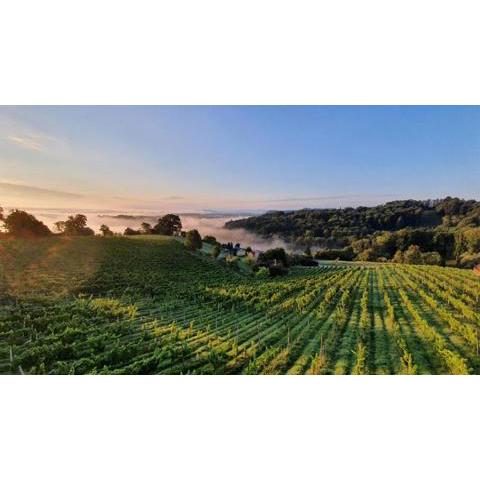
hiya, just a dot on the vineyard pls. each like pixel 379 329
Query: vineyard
pixel 147 306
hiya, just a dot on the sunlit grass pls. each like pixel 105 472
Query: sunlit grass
pixel 49 267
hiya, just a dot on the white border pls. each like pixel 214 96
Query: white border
pixel 239 427
pixel 257 52
pixel 249 52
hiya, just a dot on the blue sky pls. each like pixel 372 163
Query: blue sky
pixel 246 158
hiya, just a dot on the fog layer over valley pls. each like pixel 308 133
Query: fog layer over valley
pixel 207 223
pixel 215 227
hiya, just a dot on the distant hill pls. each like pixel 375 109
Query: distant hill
pixel 391 216
pixel 154 218
pixel 341 228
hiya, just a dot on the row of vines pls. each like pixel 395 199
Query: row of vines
pixel 147 306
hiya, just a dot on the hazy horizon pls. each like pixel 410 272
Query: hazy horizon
pixel 206 224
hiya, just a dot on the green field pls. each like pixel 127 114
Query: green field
pixel 146 305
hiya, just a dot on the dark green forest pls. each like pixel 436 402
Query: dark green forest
pixel 444 231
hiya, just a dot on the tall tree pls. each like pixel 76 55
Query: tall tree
pixel 74 225
pixel 193 240
pixel 169 224
pixel 22 224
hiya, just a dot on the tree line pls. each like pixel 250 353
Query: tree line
pixel 444 231
pixel 21 224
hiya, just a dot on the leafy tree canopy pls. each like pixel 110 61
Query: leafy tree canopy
pixel 22 224
pixel 74 225
pixel 193 240
pixel 274 255
pixel 169 224
pixel 450 227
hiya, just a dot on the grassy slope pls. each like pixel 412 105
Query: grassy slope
pixel 146 305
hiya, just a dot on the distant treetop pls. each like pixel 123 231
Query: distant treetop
pixel 74 225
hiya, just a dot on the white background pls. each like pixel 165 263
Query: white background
pixel 248 52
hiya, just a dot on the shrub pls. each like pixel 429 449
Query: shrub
pixel 250 261
pixel 367 255
pixel 274 254
pixel 232 261
pixel 131 231
pixel 413 255
pixel 210 239
pixel 398 257
pixel 469 260
pixel 106 232
pixel 277 270
pixel 432 258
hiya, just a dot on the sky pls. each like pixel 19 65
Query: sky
pixel 235 158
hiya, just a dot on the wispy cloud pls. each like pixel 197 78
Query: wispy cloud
pixel 25 136
pixel 27 141
pixel 21 190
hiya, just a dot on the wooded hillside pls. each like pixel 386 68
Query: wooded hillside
pixel 447 226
